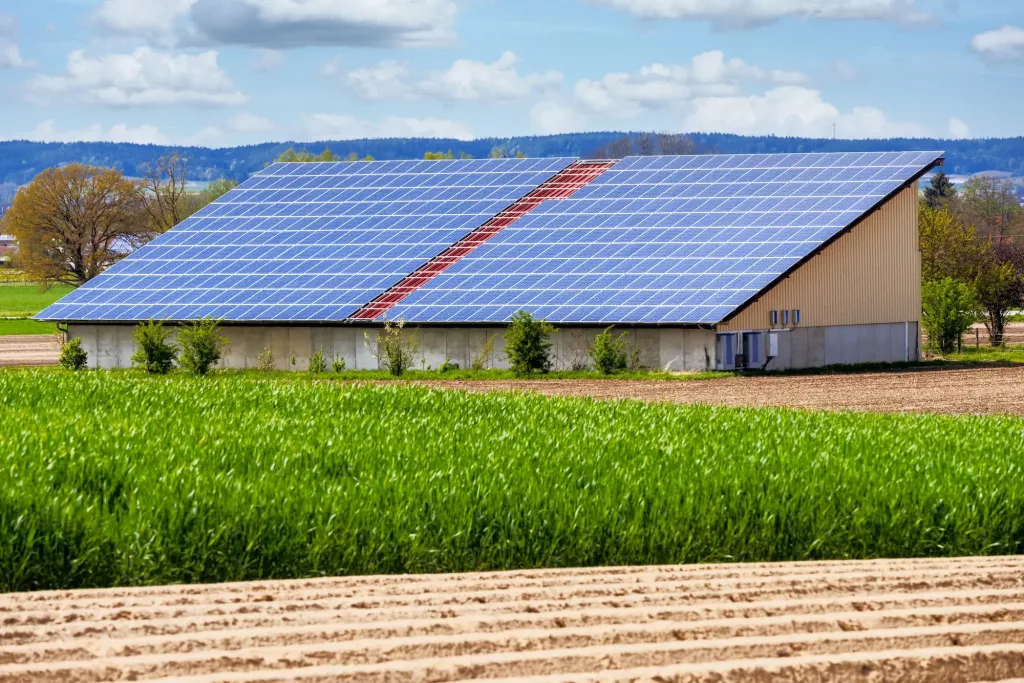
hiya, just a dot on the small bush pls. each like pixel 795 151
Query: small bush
pixel 338 364
pixel 317 364
pixel 527 344
pixel 486 355
pixel 395 348
pixel 609 353
pixel 265 360
pixel 155 354
pixel 73 356
pixel 448 366
pixel 950 308
pixel 201 344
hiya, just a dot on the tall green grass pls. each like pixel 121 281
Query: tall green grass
pixel 115 479
pixel 24 299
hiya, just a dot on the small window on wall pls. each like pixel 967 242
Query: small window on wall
pixel 773 318
pixel 785 317
pixel 796 316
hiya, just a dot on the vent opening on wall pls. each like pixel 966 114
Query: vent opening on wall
pixel 773 318
pixel 796 316
pixel 785 317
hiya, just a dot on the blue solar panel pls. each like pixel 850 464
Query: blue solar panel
pixel 306 241
pixel 664 239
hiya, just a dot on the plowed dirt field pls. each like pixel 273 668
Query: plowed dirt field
pixel 997 390
pixel 954 621
pixel 29 349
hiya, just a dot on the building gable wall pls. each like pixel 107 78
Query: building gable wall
pixel 870 275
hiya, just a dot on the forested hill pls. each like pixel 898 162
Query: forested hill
pixel 20 161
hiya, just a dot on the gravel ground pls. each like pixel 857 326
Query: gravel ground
pixel 914 621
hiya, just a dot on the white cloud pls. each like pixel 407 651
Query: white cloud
pixel 792 110
pixel 47 131
pixel 551 117
pixel 384 81
pixel 143 78
pixel 343 127
pixel 10 55
pixel 245 122
pixel 737 14
pixel 156 20
pixel 331 68
pixel 959 129
pixel 1002 44
pixel 284 23
pixel 266 60
pixel 498 81
pixel 660 86
pixel 843 71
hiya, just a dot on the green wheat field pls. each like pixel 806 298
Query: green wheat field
pixel 116 479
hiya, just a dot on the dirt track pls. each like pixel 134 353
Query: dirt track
pixel 989 390
pixel 954 621
pixel 29 349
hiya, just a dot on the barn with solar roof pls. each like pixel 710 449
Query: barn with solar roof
pixel 776 261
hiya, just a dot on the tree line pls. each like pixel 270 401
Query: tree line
pixel 972 258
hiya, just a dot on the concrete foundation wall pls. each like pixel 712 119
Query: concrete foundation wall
pixel 814 347
pixel 111 346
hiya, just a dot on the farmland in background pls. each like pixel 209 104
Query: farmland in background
pixel 20 300
pixel 117 479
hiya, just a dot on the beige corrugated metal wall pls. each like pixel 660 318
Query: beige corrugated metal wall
pixel 870 275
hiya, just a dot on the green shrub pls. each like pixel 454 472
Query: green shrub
pixel 265 360
pixel 338 364
pixel 448 366
pixel 527 344
pixel 201 344
pixel 73 356
pixel 395 348
pixel 608 352
pixel 950 308
pixel 317 364
pixel 486 355
pixel 155 354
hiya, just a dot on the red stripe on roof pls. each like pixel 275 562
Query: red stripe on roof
pixel 563 184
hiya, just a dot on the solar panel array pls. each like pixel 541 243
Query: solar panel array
pixel 664 239
pixel 306 241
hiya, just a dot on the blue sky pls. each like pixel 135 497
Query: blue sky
pixel 227 72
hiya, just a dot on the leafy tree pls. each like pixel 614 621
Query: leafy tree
pixel 503 153
pixel 940 192
pixel 394 348
pixel 217 189
pixel 355 157
pixel 73 356
pixel 439 156
pixel 527 344
pixel 608 352
pixel 317 362
pixel 201 345
pixel 950 308
pixel 1000 287
pixel 165 186
pixel 155 354
pixel 72 223
pixel 991 205
pixel 290 155
pixel 948 247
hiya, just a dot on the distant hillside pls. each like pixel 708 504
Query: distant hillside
pixel 20 161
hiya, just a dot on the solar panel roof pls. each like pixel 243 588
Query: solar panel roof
pixel 305 241
pixel 674 239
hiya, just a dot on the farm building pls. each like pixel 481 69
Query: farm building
pixel 725 261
